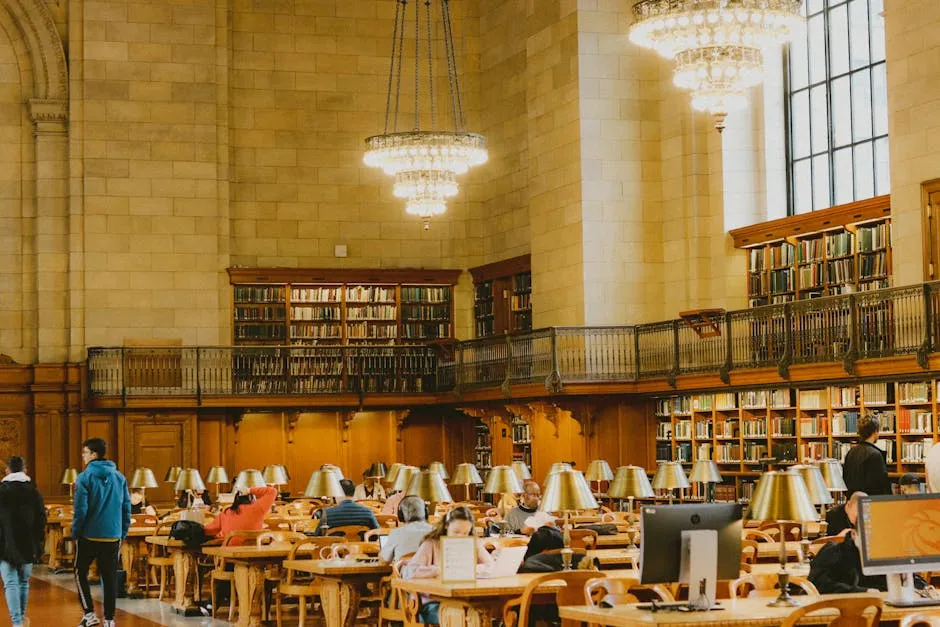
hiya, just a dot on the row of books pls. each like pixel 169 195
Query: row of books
pixel 317 313
pixel 809 250
pixel 425 312
pixel 425 330
pixel 843 396
pixel 727 453
pixel 253 294
pixel 425 294
pixel 781 255
pixel 663 453
pixel 754 428
pixel 784 451
pixel 910 392
pixel 482 308
pixel 914 452
pixel 754 452
pixel 664 430
pixel 372 312
pixel 810 276
pixel 484 459
pixel 366 330
pixel 522 282
pixel 781 281
pixel 727 428
pixel 915 421
pixel 703 451
pixel 370 294
pixel 874 237
pixel 520 302
pixel 272 332
pixel 315 294
pixel 683 430
pixel 845 423
pixel 482 439
pixel 318 331
pixel 251 314
pixel 840 244
pixel 703 430
pixel 320 367
pixel 783 425
pixel 874 265
pixel 684 452
pixel 877 393
pixel 521 433
pixel 814 425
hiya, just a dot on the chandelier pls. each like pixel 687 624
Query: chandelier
pixel 424 162
pixel 717 45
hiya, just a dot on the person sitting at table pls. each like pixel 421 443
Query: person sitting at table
pixel 189 498
pixel 840 520
pixel 527 507
pixel 542 555
pixel 370 488
pixel 139 504
pixel 407 536
pixel 837 568
pixel 909 484
pixel 347 513
pixel 458 522
pixel 245 514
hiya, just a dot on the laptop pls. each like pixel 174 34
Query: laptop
pixel 507 562
pixel 383 540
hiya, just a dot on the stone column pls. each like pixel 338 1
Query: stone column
pixel 50 120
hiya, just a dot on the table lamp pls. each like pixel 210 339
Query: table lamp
pixel 503 480
pixel 403 478
pixel 324 484
pixel 556 467
pixel 248 479
pixel 630 482
pixel 565 492
pixel 334 469
pixel 522 471
pixel 598 470
pixel 143 478
pixel 217 475
pixel 819 496
pixel 172 474
pixel 69 477
pixel 430 487
pixel 392 474
pixel 276 475
pixel 669 477
pixel 189 480
pixel 438 467
pixel 782 496
pixel 705 471
pixel 466 475
pixel 831 471
pixel 376 471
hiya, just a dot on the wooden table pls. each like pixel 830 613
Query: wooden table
pixel 739 613
pixel 184 565
pixel 250 561
pixel 341 585
pixel 630 558
pixel 130 553
pixel 616 541
pixel 57 529
pixel 476 604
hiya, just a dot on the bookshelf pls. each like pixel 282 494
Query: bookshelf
pixel 316 307
pixel 795 425
pixel 521 441
pixel 502 297
pixel 483 447
pixel 836 251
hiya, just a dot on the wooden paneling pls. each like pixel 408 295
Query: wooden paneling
pixel 318 440
pixel 212 442
pixel 550 444
pixel 606 441
pixel 458 440
pixel 370 438
pixel 157 442
pixel 502 443
pixel 50 453
pixel 261 440
pixel 423 440
pixel 102 426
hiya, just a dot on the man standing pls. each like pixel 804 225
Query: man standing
pixel 864 468
pixel 22 534
pixel 100 522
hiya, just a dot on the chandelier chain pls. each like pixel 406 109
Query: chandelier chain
pixel 400 35
pixel 427 7
pixel 417 64
pixel 391 67
pixel 454 82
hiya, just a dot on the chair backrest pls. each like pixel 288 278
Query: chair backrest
pixel 373 504
pixel 621 591
pixel 359 548
pixel 748 552
pixel 765 585
pixel 387 520
pixel 583 539
pixel 572 593
pixel 353 533
pixel 143 520
pixel 921 619
pixel 275 523
pixel 793 530
pixel 816 545
pixel 284 539
pixel 309 548
pixel 241 534
pixel 308 525
pixel 373 535
pixel 851 611
pixel 758 536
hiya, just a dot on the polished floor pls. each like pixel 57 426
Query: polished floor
pixel 54 603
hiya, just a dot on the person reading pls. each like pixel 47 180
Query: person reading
pixel 139 504
pixel 407 536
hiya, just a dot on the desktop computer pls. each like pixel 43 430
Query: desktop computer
pixel 899 535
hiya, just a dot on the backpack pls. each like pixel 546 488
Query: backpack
pixel 191 533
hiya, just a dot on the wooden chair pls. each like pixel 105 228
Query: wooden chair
pixel 392 609
pixel 816 545
pixel 373 504
pixel 219 572
pixel 279 538
pixel 748 552
pixel 277 523
pixel 623 591
pixel 307 525
pixel 516 611
pixel 757 535
pixel 373 535
pixel 924 619
pixel 766 586
pixel 793 530
pixel 851 611
pixel 160 561
pixel 585 539
pixel 352 533
pixel 299 585
pixel 387 520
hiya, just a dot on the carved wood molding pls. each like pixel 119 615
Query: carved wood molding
pixel 293 417
pixel 584 413
pixel 550 411
pixel 235 418
pixel 401 417
pixel 346 417
pixel 489 415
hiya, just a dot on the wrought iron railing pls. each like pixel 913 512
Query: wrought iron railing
pixel 838 329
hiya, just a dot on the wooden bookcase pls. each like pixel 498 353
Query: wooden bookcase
pixel 502 297
pixel 311 307
pixel 824 253
pixel 483 447
pixel 795 425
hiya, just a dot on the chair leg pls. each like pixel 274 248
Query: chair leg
pixel 231 601
pixel 277 607
pixel 215 608
pixel 162 581
pixel 302 602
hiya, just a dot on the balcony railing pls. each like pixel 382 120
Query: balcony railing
pixel 838 329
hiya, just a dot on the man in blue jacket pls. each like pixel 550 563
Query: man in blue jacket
pixel 101 519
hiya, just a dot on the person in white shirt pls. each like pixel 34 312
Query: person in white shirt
pixel 405 539
pixel 370 489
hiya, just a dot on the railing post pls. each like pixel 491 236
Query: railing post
pixel 458 368
pixel 724 373
pixel 783 367
pixel 927 345
pixel 849 357
pixel 636 352
pixel 286 361
pixel 198 376
pixel 675 353
pixel 123 377
pixel 553 382
pixel 504 388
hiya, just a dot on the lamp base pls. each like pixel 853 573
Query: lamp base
pixel 784 600
pixel 566 555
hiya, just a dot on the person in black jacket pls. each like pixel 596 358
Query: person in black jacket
pixel 842 518
pixel 22 535
pixel 864 468
pixel 837 568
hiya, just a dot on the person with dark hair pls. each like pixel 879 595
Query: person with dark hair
pixel 407 536
pixel 864 468
pixel 139 503
pixel 458 522
pixel 245 514
pixel 345 513
pixel 842 518
pixel 909 484
pixel 101 518
pixel 191 497
pixel 370 488
pixel 837 568
pixel 22 535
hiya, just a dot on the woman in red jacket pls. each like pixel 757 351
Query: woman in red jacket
pixel 246 514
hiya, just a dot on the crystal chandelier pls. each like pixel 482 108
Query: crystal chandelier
pixel 717 45
pixel 424 163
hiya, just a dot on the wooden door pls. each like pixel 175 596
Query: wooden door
pixel 158 443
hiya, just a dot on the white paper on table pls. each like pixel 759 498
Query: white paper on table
pixel 458 559
pixel 539 519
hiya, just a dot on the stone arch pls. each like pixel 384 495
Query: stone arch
pixel 34 22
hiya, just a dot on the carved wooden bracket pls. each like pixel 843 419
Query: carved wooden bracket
pixel 293 417
pixel 400 418
pixel 550 411
pixel 236 418
pixel 584 413
pixel 489 415
pixel 347 417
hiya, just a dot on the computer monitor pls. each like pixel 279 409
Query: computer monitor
pixel 661 528
pixel 899 535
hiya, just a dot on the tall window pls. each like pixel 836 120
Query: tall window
pixel 838 106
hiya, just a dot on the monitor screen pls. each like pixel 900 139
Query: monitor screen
pixel 899 533
pixel 661 532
